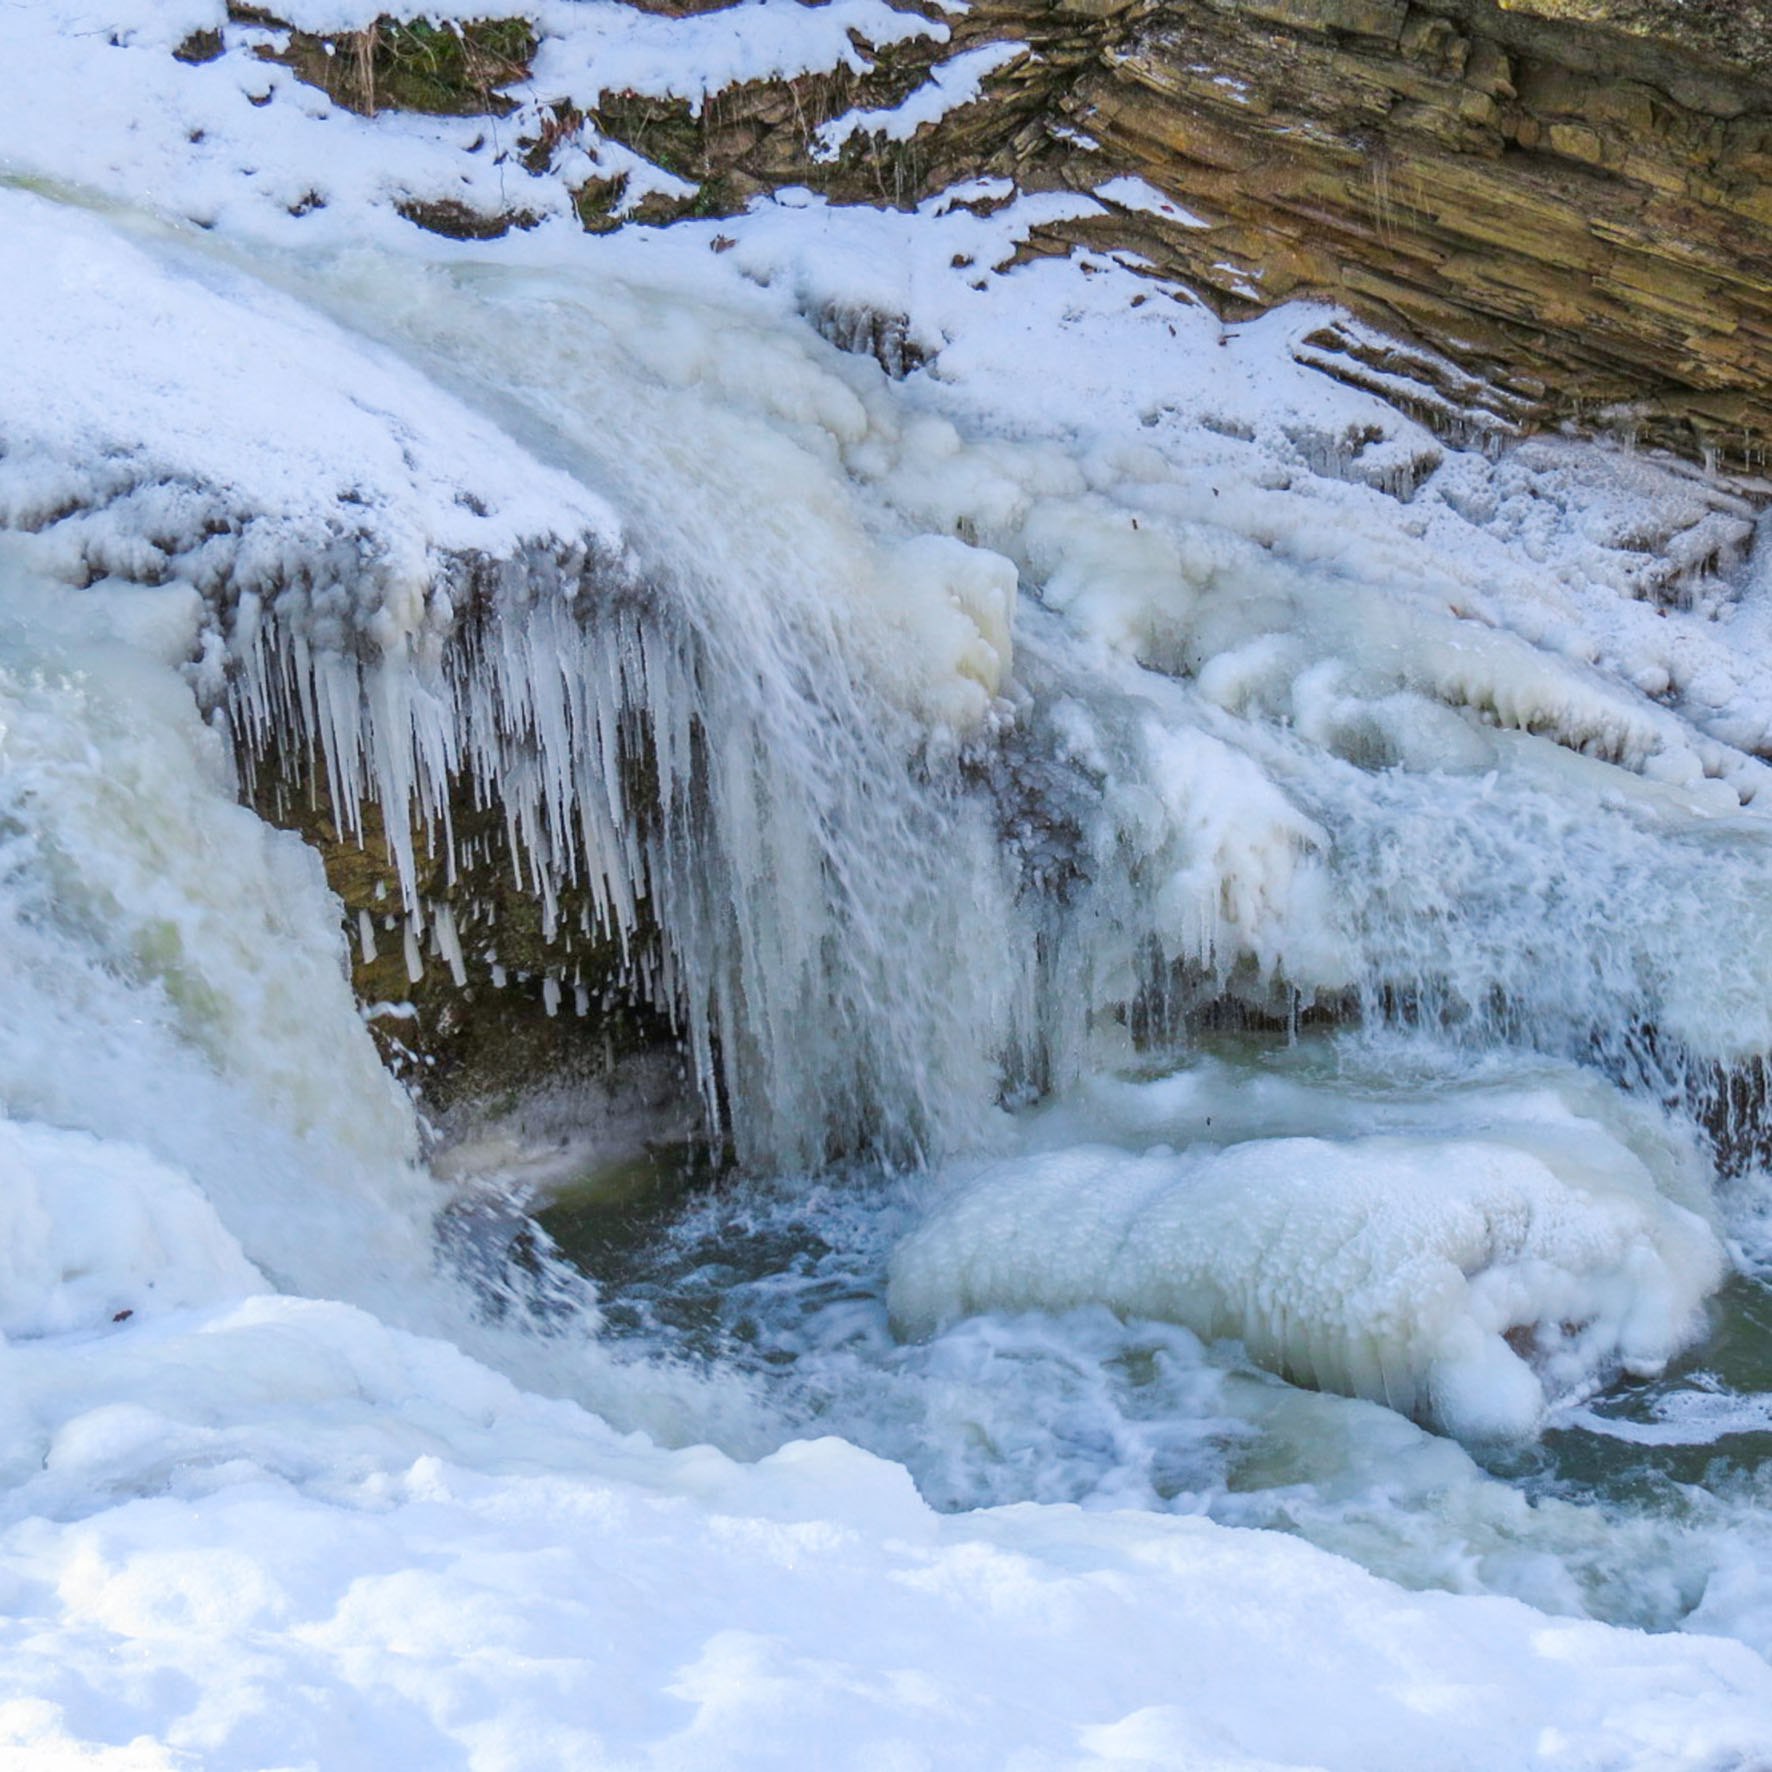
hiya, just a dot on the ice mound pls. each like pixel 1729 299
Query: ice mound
pixel 1461 1280
pixel 92 1231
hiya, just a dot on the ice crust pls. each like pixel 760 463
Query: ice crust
pixel 1457 1280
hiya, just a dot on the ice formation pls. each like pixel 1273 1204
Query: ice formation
pixel 1290 723
pixel 96 1233
pixel 1221 770
pixel 1451 1279
pixel 250 1529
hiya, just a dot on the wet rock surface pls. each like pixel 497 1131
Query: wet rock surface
pixel 470 998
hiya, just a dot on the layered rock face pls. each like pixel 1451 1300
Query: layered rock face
pixel 1568 202
pixel 1570 198
pixel 1560 209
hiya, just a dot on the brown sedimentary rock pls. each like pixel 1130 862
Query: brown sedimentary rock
pixel 762 135
pixel 1556 211
pixel 1567 202
pixel 1570 199
pixel 478 996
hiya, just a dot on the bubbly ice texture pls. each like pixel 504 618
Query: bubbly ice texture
pixel 1464 1282
pixel 1641 1505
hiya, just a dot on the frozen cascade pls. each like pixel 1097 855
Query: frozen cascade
pixel 720 621
pixel 885 896
pixel 798 698
pixel 191 1109
pixel 805 703
pixel 767 840
pixel 765 727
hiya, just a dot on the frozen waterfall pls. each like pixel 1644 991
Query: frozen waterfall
pixel 1213 974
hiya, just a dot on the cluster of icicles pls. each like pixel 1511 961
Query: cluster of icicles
pixel 781 874
pixel 869 939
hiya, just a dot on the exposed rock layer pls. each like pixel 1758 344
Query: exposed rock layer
pixel 474 1000
pixel 1573 201
pixel 1569 200
pixel 1560 210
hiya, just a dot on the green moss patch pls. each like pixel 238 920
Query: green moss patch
pixel 446 69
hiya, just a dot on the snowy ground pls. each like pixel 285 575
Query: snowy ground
pixel 275 1491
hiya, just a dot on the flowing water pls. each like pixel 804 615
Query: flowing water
pixel 957 852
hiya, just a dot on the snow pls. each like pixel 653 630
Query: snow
pixel 95 1233
pixel 113 433
pixel 351 1548
pixel 591 50
pixel 1328 705
pixel 1127 192
pixel 953 83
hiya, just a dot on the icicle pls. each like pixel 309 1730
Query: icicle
pixel 449 944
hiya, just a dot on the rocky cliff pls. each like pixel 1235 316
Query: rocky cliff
pixel 1569 202
pixel 1557 212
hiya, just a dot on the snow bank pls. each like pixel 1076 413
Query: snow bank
pixel 136 440
pixel 1463 1281
pixel 352 1549
pixel 590 50
pixel 93 1233
pixel 956 82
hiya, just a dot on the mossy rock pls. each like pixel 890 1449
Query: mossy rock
pixel 450 70
pixel 520 1003
pixel 199 47
pixel 596 201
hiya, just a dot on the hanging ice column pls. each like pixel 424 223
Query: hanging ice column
pixel 785 862
pixel 728 730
